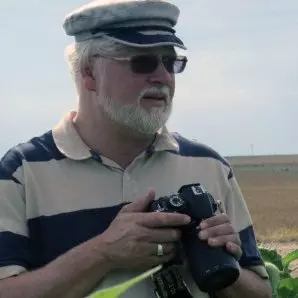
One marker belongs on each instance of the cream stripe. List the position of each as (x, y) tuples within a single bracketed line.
[(52, 186), (10, 271), (12, 211)]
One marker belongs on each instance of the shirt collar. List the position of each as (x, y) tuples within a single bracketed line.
[(69, 142), (165, 141)]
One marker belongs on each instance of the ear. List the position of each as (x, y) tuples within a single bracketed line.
[(89, 81)]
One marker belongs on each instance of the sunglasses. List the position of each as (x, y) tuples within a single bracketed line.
[(148, 63)]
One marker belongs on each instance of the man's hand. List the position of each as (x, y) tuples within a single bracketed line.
[(132, 238), (219, 231)]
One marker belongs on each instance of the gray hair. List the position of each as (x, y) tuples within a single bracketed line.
[(79, 55)]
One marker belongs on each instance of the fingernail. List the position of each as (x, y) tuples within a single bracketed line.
[(231, 247), (203, 235), (187, 219), (212, 241), (203, 225), (151, 192)]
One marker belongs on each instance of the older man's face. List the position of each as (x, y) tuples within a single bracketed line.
[(142, 101)]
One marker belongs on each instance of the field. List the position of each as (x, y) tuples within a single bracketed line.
[(270, 188)]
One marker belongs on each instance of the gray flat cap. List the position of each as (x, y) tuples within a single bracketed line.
[(139, 23)]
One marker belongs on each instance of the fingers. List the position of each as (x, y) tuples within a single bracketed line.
[(234, 249), (215, 221), (151, 258), (139, 205), (163, 219), (218, 231), (169, 252), (154, 219), (167, 248), (223, 240), (163, 235), (157, 260)]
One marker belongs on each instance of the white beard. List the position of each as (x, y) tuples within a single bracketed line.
[(135, 116)]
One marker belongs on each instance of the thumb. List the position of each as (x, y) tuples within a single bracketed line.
[(140, 204)]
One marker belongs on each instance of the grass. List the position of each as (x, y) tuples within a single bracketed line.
[(271, 193)]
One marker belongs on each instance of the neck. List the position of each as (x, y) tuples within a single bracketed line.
[(109, 139)]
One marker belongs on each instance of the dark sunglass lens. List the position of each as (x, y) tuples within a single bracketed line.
[(169, 62), (174, 64), (144, 63), (179, 65)]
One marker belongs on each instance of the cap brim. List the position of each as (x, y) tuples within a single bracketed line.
[(142, 40)]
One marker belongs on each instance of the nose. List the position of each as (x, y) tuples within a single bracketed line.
[(161, 76)]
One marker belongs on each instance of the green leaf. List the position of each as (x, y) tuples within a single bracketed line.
[(116, 291), (290, 257), (274, 276), (285, 274), (288, 288), (272, 256)]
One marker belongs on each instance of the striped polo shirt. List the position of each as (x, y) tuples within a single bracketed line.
[(55, 193)]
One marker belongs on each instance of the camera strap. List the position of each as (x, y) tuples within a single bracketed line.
[(170, 284)]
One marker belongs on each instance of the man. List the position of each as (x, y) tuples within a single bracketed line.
[(64, 229)]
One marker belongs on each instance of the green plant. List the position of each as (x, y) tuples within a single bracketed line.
[(278, 268), (283, 284), (117, 290)]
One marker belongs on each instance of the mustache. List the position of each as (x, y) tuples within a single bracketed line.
[(163, 91)]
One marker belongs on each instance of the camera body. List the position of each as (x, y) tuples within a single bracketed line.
[(212, 268)]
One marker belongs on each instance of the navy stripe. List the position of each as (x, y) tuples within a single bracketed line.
[(191, 148), (251, 255), (139, 38), (52, 236), (15, 250), (8, 165), (41, 148)]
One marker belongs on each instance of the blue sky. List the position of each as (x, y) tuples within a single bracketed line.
[(239, 93)]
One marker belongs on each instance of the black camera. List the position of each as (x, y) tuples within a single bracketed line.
[(212, 268)]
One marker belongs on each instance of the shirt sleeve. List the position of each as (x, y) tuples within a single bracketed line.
[(15, 256), (238, 213)]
